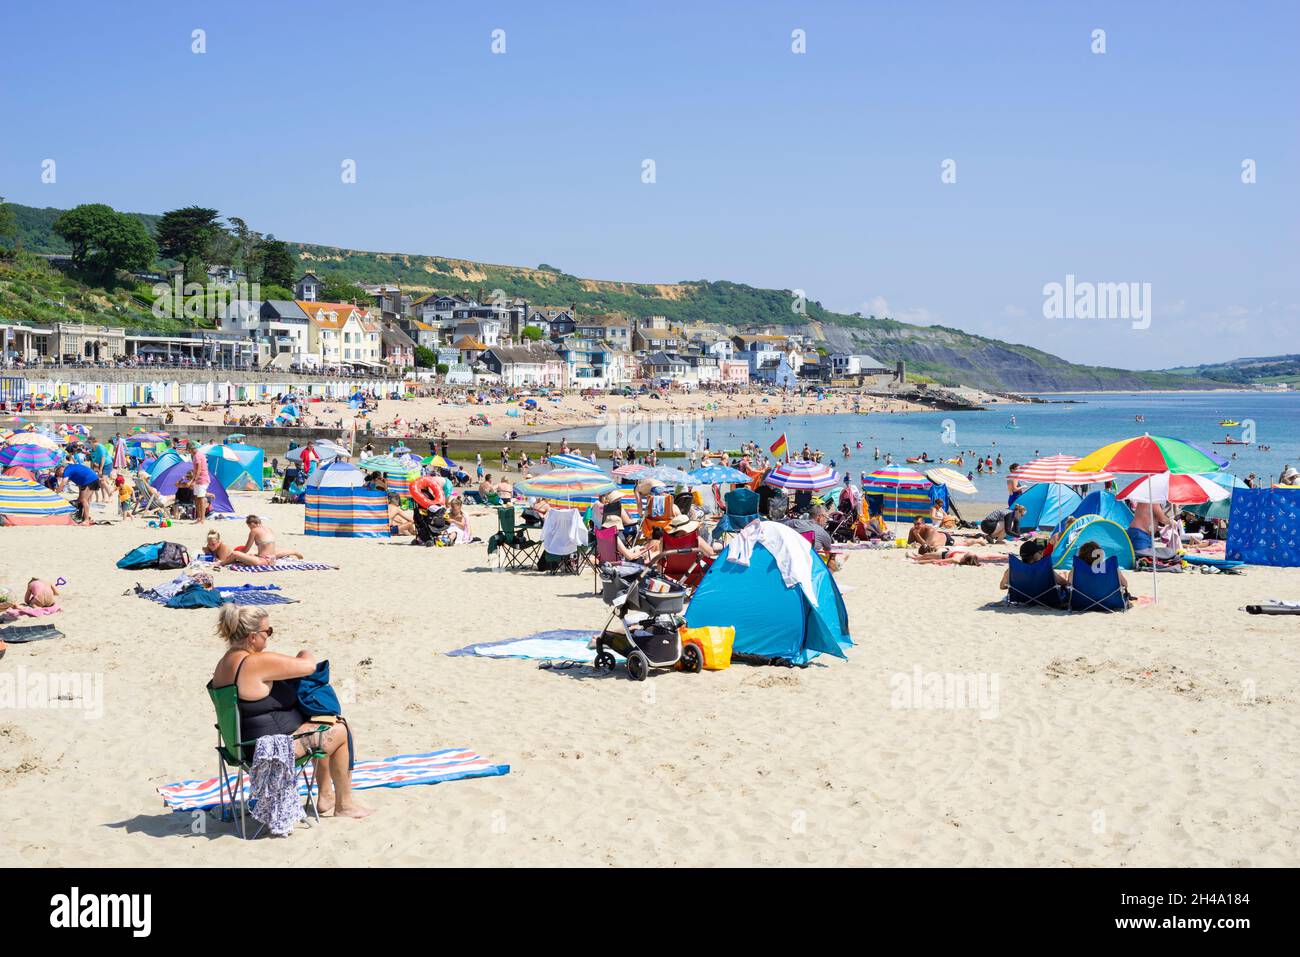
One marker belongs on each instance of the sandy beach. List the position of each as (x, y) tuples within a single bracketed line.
[(1164, 736)]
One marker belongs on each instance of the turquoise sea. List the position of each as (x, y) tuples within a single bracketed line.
[(1075, 424)]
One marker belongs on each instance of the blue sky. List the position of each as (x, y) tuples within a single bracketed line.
[(818, 171)]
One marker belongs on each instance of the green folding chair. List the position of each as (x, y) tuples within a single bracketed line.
[(230, 753), (513, 547)]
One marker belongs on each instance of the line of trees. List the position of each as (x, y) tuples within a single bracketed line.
[(104, 241)]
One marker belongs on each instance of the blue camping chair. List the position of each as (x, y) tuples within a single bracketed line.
[(1096, 590), (742, 508), (1034, 584)]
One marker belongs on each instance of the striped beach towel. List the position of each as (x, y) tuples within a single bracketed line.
[(284, 565), (432, 767)]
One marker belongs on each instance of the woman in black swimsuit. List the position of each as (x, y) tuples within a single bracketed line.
[(268, 701)]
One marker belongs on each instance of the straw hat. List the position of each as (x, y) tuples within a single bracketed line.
[(683, 524), (612, 520)]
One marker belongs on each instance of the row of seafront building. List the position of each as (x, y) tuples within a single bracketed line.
[(505, 341)]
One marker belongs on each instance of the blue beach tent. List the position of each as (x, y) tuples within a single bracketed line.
[(771, 620), (1046, 504), (1111, 536), (1104, 504)]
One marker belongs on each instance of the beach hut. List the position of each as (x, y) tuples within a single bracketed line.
[(1046, 504), (23, 502), (340, 506), (793, 623), (1111, 536)]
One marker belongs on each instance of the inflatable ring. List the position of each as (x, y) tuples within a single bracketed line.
[(427, 491)]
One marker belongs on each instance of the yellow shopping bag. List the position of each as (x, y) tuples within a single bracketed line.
[(714, 643)]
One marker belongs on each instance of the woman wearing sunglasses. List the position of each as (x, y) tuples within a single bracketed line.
[(268, 702)]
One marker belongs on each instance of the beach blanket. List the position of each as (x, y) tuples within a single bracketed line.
[(994, 558), (561, 644), (284, 565), (432, 767), (236, 594), (28, 611), (18, 634)]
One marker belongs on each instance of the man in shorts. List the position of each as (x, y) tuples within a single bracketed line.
[(85, 479), (202, 479)]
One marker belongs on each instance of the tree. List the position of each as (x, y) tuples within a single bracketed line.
[(8, 223), (443, 368), (276, 261), (531, 333), (425, 358), (244, 243), (190, 236), (104, 240)]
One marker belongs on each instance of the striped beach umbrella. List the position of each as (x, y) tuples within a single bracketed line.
[(566, 487), (630, 470), (570, 461), (897, 479), (1148, 455), (31, 457), (438, 461), (387, 464), (1175, 489), (802, 475), (32, 438), (953, 479), (23, 502), (1058, 468)]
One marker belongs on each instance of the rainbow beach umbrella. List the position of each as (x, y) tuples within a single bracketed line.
[(895, 479), (1149, 455), (567, 487), (34, 458)]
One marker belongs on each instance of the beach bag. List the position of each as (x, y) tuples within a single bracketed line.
[(714, 643), (173, 555), (143, 556)]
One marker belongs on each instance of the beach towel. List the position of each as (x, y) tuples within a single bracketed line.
[(19, 634), (29, 611), (284, 565), (274, 785), (994, 558), (432, 767), (561, 644)]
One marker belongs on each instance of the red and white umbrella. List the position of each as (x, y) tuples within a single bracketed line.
[(629, 470), (1056, 468), (1175, 489)]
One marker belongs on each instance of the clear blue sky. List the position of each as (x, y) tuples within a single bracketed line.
[(817, 171)]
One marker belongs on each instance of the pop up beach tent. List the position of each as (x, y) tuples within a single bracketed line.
[(175, 469), (772, 620), (1104, 504), (1111, 536), (236, 466), (1046, 504), (339, 505)]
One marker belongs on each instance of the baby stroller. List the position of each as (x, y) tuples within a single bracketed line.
[(840, 526), (429, 523), (643, 624)]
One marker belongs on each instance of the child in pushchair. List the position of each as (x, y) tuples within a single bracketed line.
[(644, 622)]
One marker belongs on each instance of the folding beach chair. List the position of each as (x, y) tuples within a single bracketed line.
[(1096, 590), (230, 753), (1034, 584), (680, 562), (742, 508), (659, 514), (604, 553), (513, 546)]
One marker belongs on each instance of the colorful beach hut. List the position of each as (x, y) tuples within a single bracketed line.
[(23, 502), (340, 506)]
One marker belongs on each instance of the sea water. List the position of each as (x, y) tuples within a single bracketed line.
[(1072, 424)]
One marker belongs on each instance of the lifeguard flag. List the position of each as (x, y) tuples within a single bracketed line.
[(779, 447)]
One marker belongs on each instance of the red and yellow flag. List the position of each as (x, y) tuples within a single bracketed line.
[(779, 447)]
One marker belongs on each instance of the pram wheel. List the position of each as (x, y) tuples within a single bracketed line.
[(692, 659), (638, 665), (605, 660)]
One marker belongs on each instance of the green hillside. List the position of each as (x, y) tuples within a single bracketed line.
[(1255, 370), (943, 354)]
